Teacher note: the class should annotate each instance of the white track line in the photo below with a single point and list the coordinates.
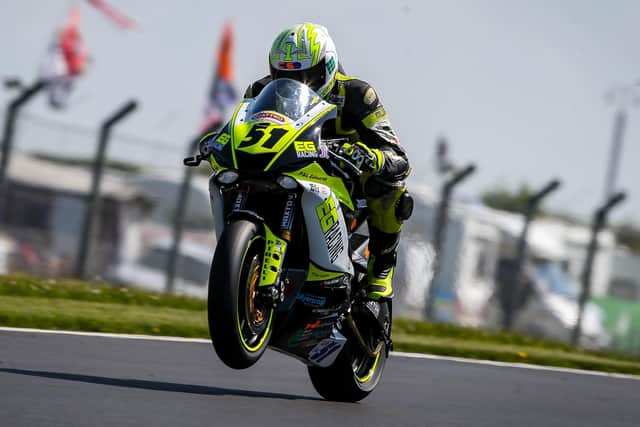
(107, 335)
(515, 365)
(393, 353)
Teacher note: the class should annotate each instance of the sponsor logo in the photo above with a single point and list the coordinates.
(223, 138)
(333, 237)
(325, 312)
(307, 154)
(289, 65)
(318, 188)
(305, 149)
(237, 204)
(324, 349)
(312, 325)
(311, 300)
(332, 282)
(269, 116)
(302, 335)
(331, 65)
(337, 100)
(313, 177)
(324, 151)
(287, 217)
(218, 141)
(328, 215)
(369, 96)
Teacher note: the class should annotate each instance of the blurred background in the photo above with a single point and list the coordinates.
(520, 118)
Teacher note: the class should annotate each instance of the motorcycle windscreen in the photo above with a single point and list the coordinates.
(279, 129)
(287, 97)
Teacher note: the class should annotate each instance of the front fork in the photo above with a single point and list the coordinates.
(271, 286)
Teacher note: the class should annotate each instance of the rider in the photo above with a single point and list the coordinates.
(305, 52)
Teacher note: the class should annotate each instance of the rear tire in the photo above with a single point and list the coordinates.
(354, 374)
(240, 326)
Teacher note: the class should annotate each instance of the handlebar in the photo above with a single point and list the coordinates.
(203, 152)
(193, 161)
(344, 165)
(350, 166)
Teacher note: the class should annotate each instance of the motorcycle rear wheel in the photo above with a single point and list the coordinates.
(354, 374)
(240, 326)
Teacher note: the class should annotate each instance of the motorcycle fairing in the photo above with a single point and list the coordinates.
(313, 172)
(326, 228)
(217, 206)
(268, 140)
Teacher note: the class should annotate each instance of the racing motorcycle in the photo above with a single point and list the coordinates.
(291, 259)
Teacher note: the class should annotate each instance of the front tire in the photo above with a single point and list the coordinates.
(239, 324)
(354, 374)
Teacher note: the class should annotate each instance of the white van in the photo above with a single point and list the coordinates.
(149, 270)
(548, 307)
(6, 249)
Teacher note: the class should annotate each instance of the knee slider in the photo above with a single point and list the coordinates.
(404, 208)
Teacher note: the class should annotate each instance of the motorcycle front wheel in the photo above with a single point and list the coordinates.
(239, 324)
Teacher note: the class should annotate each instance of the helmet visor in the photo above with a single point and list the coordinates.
(313, 77)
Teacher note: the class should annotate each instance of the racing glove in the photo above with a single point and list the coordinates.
(365, 158)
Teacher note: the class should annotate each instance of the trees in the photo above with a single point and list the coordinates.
(627, 234)
(506, 200)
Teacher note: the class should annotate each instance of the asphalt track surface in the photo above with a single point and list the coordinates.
(72, 380)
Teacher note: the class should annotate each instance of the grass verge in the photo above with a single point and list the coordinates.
(70, 305)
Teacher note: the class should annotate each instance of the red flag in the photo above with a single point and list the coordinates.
(71, 45)
(66, 60)
(221, 96)
(117, 17)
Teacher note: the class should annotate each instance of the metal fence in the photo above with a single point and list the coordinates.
(46, 201)
(44, 224)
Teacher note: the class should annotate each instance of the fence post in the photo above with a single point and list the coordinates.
(178, 221)
(7, 138)
(599, 222)
(440, 226)
(93, 208)
(514, 292)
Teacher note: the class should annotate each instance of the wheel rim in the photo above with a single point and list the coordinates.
(363, 365)
(364, 368)
(254, 313)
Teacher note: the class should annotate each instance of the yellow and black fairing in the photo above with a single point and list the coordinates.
(267, 135)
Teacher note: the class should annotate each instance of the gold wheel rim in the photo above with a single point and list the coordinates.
(257, 315)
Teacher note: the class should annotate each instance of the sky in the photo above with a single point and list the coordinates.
(517, 87)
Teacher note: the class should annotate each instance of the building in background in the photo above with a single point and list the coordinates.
(45, 214)
(477, 261)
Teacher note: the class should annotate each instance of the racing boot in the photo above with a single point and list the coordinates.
(381, 265)
(389, 205)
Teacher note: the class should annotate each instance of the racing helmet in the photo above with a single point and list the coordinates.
(306, 53)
